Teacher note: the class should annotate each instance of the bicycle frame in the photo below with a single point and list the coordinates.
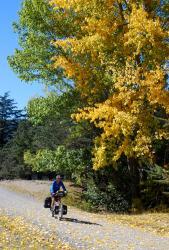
(58, 207)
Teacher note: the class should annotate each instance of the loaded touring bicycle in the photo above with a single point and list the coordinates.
(59, 209)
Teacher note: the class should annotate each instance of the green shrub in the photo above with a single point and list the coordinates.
(110, 199)
(155, 190)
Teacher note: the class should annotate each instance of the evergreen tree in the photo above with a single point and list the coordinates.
(10, 116)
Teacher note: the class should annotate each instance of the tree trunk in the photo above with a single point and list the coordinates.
(133, 167)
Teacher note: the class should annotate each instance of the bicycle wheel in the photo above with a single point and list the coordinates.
(60, 215)
(53, 212)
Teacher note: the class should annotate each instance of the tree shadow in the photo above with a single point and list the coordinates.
(80, 221)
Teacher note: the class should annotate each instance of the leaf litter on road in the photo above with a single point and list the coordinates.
(16, 233)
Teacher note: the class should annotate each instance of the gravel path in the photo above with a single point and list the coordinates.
(80, 229)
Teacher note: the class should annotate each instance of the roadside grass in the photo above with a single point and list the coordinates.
(153, 221)
(75, 198)
(15, 233)
(36, 189)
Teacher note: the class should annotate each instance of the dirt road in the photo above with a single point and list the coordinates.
(80, 229)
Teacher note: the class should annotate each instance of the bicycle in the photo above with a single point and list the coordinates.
(59, 209)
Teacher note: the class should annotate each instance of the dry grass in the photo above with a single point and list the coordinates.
(157, 223)
(15, 233)
(36, 189)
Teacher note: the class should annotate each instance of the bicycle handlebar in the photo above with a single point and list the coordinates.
(60, 194)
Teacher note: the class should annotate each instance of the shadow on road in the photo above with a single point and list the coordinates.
(79, 221)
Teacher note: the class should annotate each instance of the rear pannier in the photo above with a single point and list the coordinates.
(47, 202)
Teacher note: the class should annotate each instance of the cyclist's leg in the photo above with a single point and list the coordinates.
(53, 202)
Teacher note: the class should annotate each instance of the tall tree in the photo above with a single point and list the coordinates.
(11, 155)
(37, 27)
(10, 116)
(118, 61)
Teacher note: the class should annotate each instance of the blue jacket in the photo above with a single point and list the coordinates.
(56, 187)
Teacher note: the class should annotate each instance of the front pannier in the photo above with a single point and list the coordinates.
(64, 209)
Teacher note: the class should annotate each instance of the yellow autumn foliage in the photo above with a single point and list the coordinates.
(118, 60)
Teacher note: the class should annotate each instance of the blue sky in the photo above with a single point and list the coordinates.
(20, 91)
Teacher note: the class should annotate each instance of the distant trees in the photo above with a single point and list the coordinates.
(11, 154)
(10, 116)
(10, 151)
(64, 143)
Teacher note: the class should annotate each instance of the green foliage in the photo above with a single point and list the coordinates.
(37, 28)
(110, 199)
(156, 187)
(11, 147)
(10, 117)
(156, 173)
(68, 162)
(11, 155)
(70, 154)
(53, 106)
(36, 31)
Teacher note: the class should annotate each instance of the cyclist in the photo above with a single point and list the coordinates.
(56, 185)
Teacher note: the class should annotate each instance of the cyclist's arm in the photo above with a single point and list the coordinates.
(52, 188)
(63, 186)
